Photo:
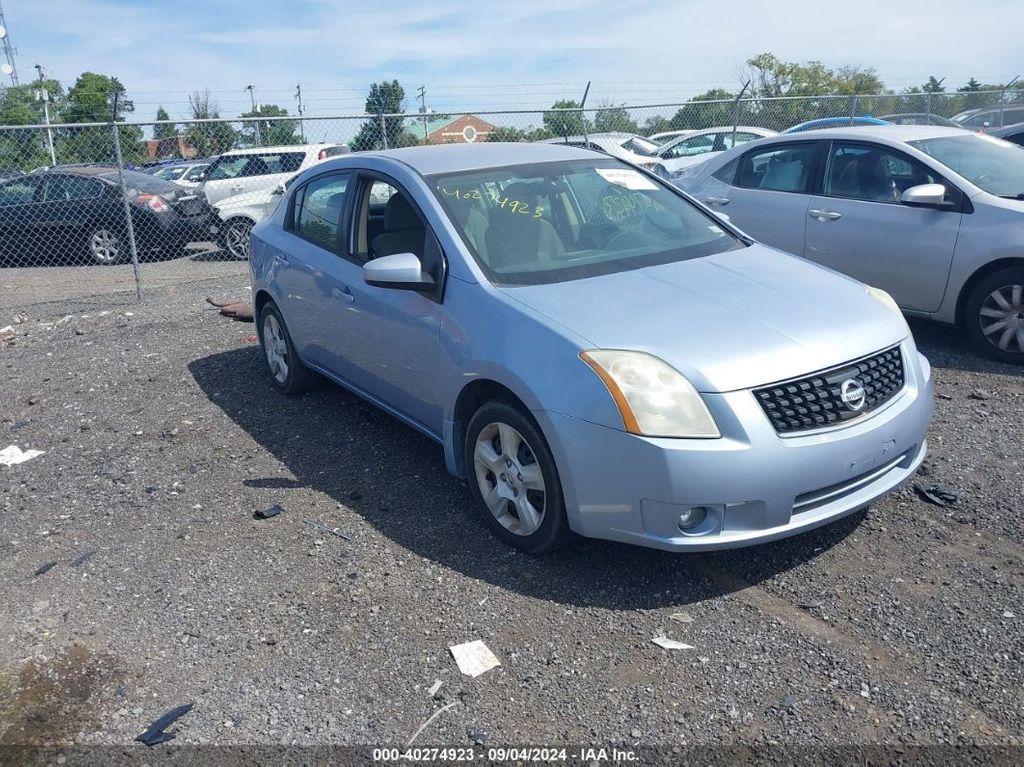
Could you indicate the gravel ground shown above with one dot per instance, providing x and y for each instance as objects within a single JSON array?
[{"x": 899, "y": 625}]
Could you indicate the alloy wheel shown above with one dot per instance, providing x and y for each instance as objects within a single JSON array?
[
  {"x": 236, "y": 238},
  {"x": 276, "y": 348},
  {"x": 105, "y": 246},
  {"x": 1002, "y": 318},
  {"x": 510, "y": 479}
]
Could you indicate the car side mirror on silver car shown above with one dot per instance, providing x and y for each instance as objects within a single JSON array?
[
  {"x": 401, "y": 271},
  {"x": 925, "y": 196}
]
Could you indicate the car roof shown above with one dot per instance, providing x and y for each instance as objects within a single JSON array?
[
  {"x": 1005, "y": 130},
  {"x": 282, "y": 148},
  {"x": 894, "y": 133},
  {"x": 453, "y": 158}
]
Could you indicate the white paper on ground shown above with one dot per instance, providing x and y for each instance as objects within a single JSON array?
[
  {"x": 473, "y": 658},
  {"x": 13, "y": 454},
  {"x": 626, "y": 177},
  {"x": 671, "y": 644}
]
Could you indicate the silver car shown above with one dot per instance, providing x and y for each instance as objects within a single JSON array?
[
  {"x": 595, "y": 353},
  {"x": 932, "y": 215}
]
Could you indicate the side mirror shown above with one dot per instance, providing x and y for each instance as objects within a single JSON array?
[
  {"x": 279, "y": 189},
  {"x": 402, "y": 271},
  {"x": 925, "y": 196}
]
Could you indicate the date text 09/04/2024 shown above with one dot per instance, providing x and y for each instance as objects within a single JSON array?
[{"x": 504, "y": 754}]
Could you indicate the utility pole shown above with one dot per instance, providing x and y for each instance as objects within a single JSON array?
[
  {"x": 7, "y": 67},
  {"x": 44, "y": 95},
  {"x": 255, "y": 111},
  {"x": 423, "y": 108},
  {"x": 301, "y": 111},
  {"x": 1002, "y": 98}
]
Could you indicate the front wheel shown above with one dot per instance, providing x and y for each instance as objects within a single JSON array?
[
  {"x": 235, "y": 238},
  {"x": 994, "y": 315},
  {"x": 514, "y": 480},
  {"x": 286, "y": 369}
]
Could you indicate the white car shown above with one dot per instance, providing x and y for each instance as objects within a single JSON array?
[
  {"x": 189, "y": 174},
  {"x": 626, "y": 146},
  {"x": 251, "y": 170},
  {"x": 666, "y": 136},
  {"x": 241, "y": 212},
  {"x": 696, "y": 146}
]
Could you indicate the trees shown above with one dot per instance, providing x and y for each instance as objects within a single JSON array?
[
  {"x": 506, "y": 133},
  {"x": 165, "y": 130},
  {"x": 269, "y": 132},
  {"x": 97, "y": 98},
  {"x": 695, "y": 115},
  {"x": 26, "y": 149},
  {"x": 610, "y": 117},
  {"x": 384, "y": 98},
  {"x": 566, "y": 123},
  {"x": 212, "y": 138}
]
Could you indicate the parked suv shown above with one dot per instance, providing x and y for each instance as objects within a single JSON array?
[{"x": 250, "y": 170}]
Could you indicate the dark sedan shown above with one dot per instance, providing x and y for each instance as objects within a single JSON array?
[
  {"x": 76, "y": 213},
  {"x": 1012, "y": 133}
]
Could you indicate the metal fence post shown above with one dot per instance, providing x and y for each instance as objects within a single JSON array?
[
  {"x": 383, "y": 130},
  {"x": 1002, "y": 98},
  {"x": 130, "y": 228},
  {"x": 736, "y": 110}
]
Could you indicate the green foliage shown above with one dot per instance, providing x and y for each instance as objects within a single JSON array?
[
  {"x": 91, "y": 99},
  {"x": 269, "y": 132},
  {"x": 696, "y": 115},
  {"x": 933, "y": 86},
  {"x": 611, "y": 117},
  {"x": 566, "y": 123},
  {"x": 209, "y": 139},
  {"x": 504, "y": 133},
  {"x": 656, "y": 124},
  {"x": 164, "y": 131}
]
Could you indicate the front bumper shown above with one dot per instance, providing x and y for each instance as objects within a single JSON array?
[{"x": 755, "y": 485}]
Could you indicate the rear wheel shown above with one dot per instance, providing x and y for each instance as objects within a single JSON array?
[
  {"x": 106, "y": 245},
  {"x": 235, "y": 238},
  {"x": 286, "y": 370},
  {"x": 994, "y": 315},
  {"x": 514, "y": 480}
]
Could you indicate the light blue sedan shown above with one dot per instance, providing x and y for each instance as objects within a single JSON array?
[{"x": 596, "y": 353}]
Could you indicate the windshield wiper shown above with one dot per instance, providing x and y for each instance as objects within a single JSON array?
[{"x": 1018, "y": 196}]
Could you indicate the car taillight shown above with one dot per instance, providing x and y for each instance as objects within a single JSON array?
[
  {"x": 152, "y": 201},
  {"x": 322, "y": 154}
]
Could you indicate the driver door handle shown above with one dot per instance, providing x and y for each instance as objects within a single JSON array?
[
  {"x": 824, "y": 215},
  {"x": 715, "y": 200}
]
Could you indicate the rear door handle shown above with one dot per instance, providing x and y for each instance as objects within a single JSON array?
[
  {"x": 824, "y": 215},
  {"x": 238, "y": 189},
  {"x": 715, "y": 200},
  {"x": 344, "y": 293}
]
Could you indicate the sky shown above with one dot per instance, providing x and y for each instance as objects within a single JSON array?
[{"x": 487, "y": 54}]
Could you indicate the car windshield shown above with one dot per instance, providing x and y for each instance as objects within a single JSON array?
[
  {"x": 989, "y": 163},
  {"x": 552, "y": 222},
  {"x": 143, "y": 182}
]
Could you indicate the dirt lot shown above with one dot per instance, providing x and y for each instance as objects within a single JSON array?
[{"x": 162, "y": 436}]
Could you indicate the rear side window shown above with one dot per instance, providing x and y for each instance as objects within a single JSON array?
[
  {"x": 727, "y": 173},
  {"x": 248, "y": 165},
  {"x": 61, "y": 188},
  {"x": 318, "y": 208},
  {"x": 18, "y": 192},
  {"x": 785, "y": 168}
]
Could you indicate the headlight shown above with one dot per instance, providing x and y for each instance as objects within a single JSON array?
[
  {"x": 884, "y": 297},
  {"x": 654, "y": 399}
]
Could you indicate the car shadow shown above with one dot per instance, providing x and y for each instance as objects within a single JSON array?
[
  {"x": 947, "y": 347},
  {"x": 395, "y": 478}
]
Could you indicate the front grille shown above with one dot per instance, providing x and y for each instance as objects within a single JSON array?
[{"x": 816, "y": 401}]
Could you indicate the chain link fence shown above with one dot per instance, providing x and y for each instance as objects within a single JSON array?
[{"x": 111, "y": 209}]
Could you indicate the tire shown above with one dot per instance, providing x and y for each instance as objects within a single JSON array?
[
  {"x": 106, "y": 245},
  {"x": 994, "y": 315},
  {"x": 234, "y": 238},
  {"x": 507, "y": 501},
  {"x": 287, "y": 372}
]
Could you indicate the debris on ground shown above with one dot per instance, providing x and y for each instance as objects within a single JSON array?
[
  {"x": 980, "y": 394},
  {"x": 808, "y": 605},
  {"x": 332, "y": 530},
  {"x": 235, "y": 308},
  {"x": 682, "y": 617},
  {"x": 435, "y": 689},
  {"x": 46, "y": 568},
  {"x": 671, "y": 644},
  {"x": 423, "y": 726},
  {"x": 936, "y": 493},
  {"x": 82, "y": 558},
  {"x": 1008, "y": 614},
  {"x": 12, "y": 455},
  {"x": 473, "y": 658},
  {"x": 789, "y": 701},
  {"x": 273, "y": 511},
  {"x": 7, "y": 335},
  {"x": 157, "y": 732}
]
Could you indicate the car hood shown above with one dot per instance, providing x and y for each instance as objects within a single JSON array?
[{"x": 730, "y": 321}]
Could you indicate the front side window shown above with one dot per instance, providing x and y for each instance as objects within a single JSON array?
[
  {"x": 63, "y": 188},
  {"x": 989, "y": 163},
  {"x": 785, "y": 168},
  {"x": 551, "y": 222},
  {"x": 872, "y": 172},
  {"x": 318, "y": 207},
  {"x": 170, "y": 174},
  {"x": 690, "y": 147}
]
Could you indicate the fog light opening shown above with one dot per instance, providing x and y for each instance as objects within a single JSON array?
[{"x": 692, "y": 517}]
